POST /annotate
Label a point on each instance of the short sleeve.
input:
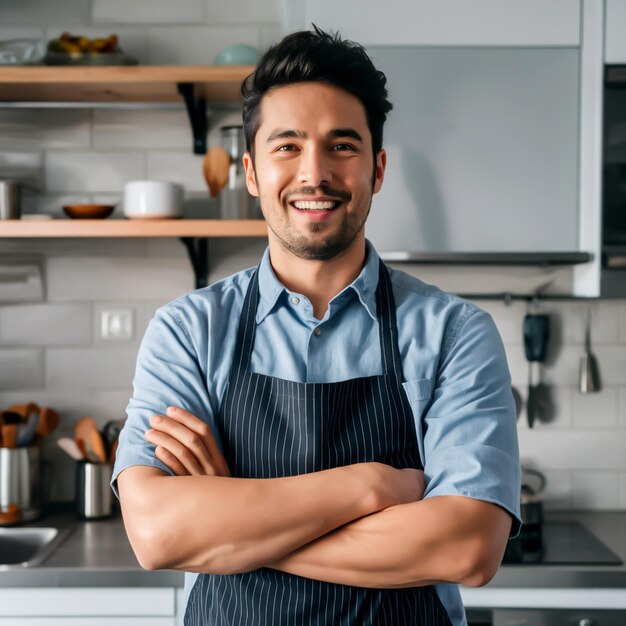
(469, 428)
(167, 373)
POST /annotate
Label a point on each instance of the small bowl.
(88, 211)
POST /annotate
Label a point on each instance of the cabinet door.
(79, 605)
(482, 149)
(615, 32)
(451, 22)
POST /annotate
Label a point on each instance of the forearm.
(441, 539)
(215, 524)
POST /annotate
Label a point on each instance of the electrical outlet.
(116, 324)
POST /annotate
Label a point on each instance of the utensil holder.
(93, 494)
(21, 478)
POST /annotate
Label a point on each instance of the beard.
(319, 247)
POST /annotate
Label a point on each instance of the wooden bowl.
(88, 211)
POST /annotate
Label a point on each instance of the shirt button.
(318, 331)
(295, 300)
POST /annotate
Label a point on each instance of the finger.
(168, 459)
(189, 438)
(185, 456)
(204, 430)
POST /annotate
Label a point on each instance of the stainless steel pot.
(21, 478)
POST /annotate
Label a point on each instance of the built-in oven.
(613, 277)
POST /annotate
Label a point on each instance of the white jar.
(153, 199)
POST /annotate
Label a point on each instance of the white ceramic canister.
(153, 199)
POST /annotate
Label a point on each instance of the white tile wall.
(151, 11)
(51, 353)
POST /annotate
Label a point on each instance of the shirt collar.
(270, 288)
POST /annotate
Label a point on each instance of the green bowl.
(239, 54)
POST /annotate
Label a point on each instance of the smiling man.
(320, 439)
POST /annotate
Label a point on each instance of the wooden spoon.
(9, 435)
(83, 435)
(25, 409)
(95, 446)
(48, 421)
(215, 168)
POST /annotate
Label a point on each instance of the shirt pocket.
(419, 392)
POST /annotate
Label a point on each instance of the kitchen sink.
(28, 547)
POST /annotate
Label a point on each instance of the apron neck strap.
(386, 313)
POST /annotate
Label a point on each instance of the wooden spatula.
(83, 434)
(215, 168)
(48, 421)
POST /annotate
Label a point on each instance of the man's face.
(313, 168)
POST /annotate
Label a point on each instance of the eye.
(286, 147)
(341, 147)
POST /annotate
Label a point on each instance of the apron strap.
(247, 326)
(386, 307)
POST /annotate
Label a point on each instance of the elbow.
(481, 565)
(145, 543)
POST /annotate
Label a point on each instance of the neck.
(319, 281)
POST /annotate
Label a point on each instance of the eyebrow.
(290, 134)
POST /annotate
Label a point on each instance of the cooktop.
(559, 543)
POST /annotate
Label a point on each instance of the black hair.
(317, 56)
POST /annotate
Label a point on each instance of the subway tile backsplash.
(52, 353)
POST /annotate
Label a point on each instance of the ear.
(248, 166)
(379, 170)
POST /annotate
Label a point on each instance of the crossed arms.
(363, 525)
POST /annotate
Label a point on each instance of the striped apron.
(271, 428)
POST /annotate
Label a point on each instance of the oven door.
(558, 617)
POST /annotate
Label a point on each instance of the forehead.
(315, 108)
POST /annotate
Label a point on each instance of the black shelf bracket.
(198, 250)
(198, 116)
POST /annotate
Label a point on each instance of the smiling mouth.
(311, 205)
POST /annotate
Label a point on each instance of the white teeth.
(315, 206)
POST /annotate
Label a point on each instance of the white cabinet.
(451, 22)
(102, 606)
(615, 33)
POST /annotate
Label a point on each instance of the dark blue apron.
(272, 427)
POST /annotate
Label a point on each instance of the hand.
(186, 444)
(398, 486)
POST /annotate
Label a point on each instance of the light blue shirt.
(455, 372)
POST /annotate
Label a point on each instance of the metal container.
(93, 494)
(21, 479)
(235, 200)
(10, 208)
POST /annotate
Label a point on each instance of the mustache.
(324, 190)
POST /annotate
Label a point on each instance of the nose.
(314, 167)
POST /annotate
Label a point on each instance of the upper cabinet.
(615, 43)
(494, 140)
(451, 22)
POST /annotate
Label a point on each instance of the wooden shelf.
(134, 83)
(132, 228)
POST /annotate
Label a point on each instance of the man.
(314, 390)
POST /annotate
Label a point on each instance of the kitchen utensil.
(93, 495)
(95, 445)
(10, 515)
(517, 398)
(153, 199)
(536, 335)
(10, 208)
(215, 166)
(70, 447)
(9, 435)
(24, 409)
(83, 434)
(21, 479)
(113, 451)
(88, 211)
(27, 430)
(11, 417)
(48, 421)
(110, 432)
(589, 371)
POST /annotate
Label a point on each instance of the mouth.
(318, 206)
